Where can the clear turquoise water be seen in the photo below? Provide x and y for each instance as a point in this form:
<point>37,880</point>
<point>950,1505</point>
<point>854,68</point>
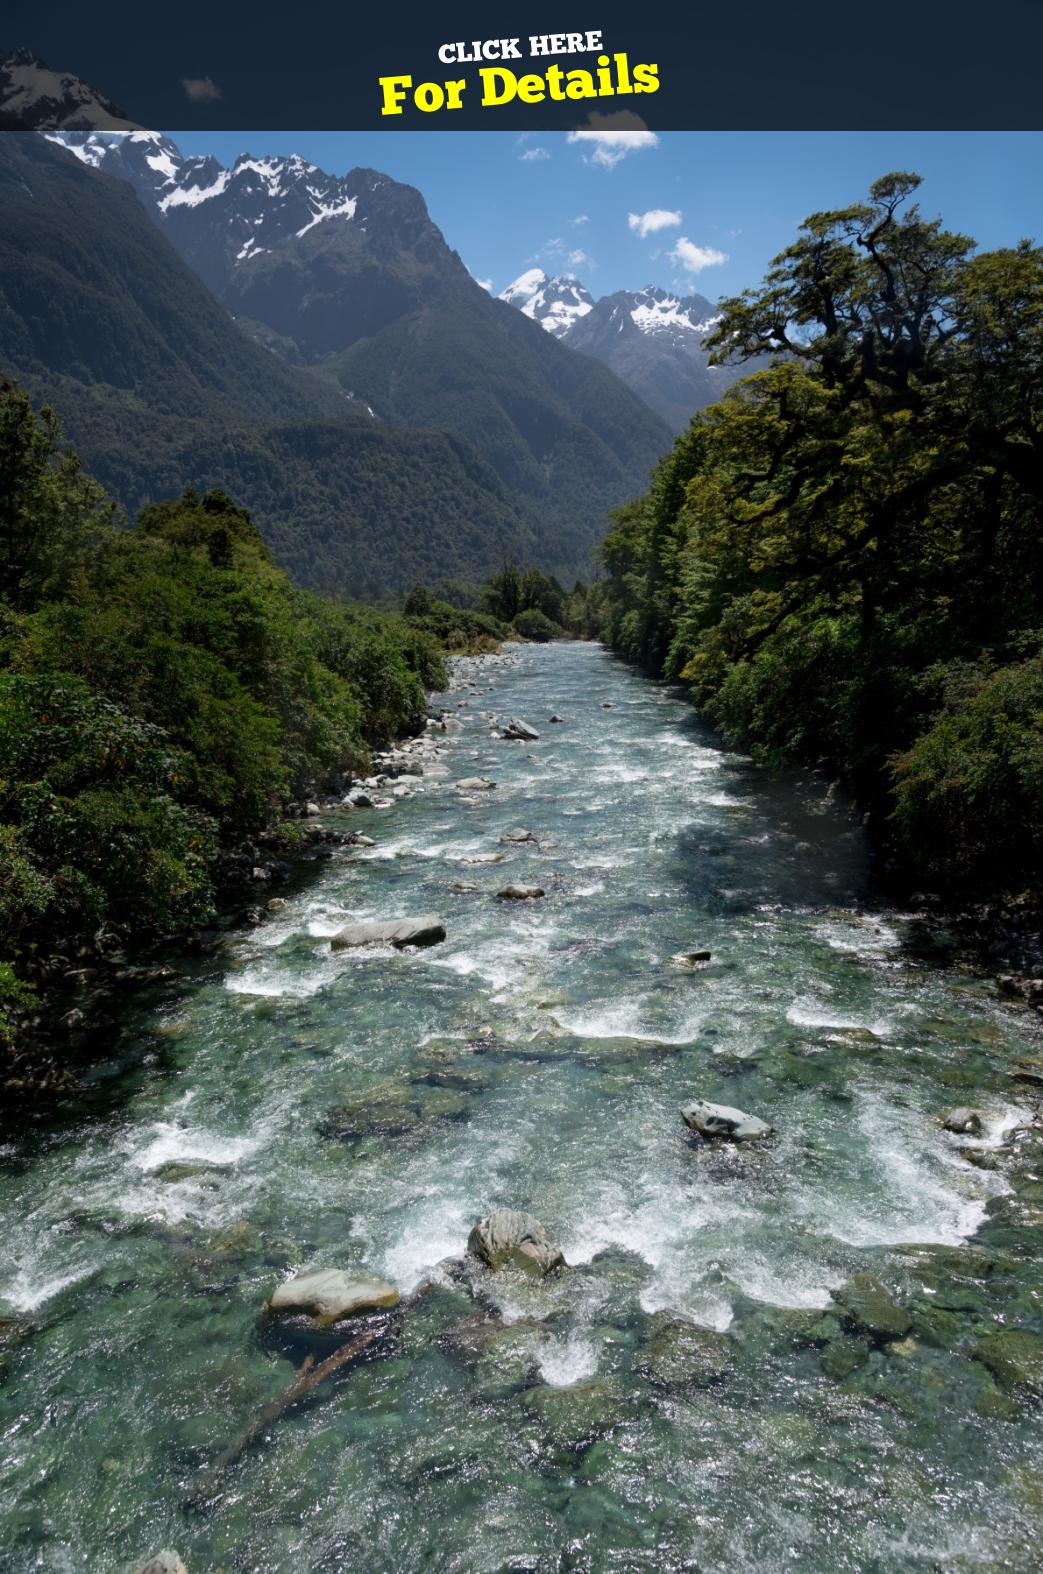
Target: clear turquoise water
<point>547,1048</point>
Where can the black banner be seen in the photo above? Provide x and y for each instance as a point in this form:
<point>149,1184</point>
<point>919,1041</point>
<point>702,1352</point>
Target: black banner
<point>758,65</point>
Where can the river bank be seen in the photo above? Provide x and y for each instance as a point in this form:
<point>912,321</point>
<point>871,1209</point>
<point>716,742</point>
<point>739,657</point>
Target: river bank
<point>787,1353</point>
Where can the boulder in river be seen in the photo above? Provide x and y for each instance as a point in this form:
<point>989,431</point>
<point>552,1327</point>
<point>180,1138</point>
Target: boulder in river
<point>556,717</point>
<point>721,1120</point>
<point>399,932</point>
<point>167,1562</point>
<point>965,1122</point>
<point>518,835</point>
<point>680,1352</point>
<point>868,1306</point>
<point>1027,1068</point>
<point>508,1236</point>
<point>332,1294</point>
<point>521,893</point>
<point>475,784</point>
<point>520,730</point>
<point>1014,1356</point>
<point>690,958</point>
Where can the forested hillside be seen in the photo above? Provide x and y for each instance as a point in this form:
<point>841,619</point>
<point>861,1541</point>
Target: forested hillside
<point>842,557</point>
<point>350,276</point>
<point>162,689</point>
<point>159,389</point>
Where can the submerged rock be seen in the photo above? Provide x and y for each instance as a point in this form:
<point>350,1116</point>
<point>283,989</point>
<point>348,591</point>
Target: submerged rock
<point>391,1109</point>
<point>965,1122</point>
<point>428,930</point>
<point>690,958</point>
<point>1027,1068</point>
<point>475,784</point>
<point>509,1236</point>
<point>580,1412</point>
<point>521,893</point>
<point>332,1294</point>
<point>520,730</point>
<point>868,1306</point>
<point>1014,1356</point>
<point>167,1562</point>
<point>721,1120</point>
<point>679,1352</point>
<point>842,1357</point>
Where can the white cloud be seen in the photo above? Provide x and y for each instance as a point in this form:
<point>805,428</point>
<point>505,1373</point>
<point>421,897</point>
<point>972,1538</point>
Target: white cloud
<point>654,219</point>
<point>695,258</point>
<point>609,147</point>
<point>582,218</point>
<point>487,284</point>
<point>577,257</point>
<point>532,154</point>
<point>201,90</point>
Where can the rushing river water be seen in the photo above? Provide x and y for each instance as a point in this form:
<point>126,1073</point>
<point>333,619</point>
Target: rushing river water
<point>686,1396</point>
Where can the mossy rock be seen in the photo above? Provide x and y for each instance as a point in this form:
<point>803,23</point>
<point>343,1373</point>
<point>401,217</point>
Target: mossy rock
<point>577,1415</point>
<point>1014,1356</point>
<point>936,1326</point>
<point>679,1353</point>
<point>868,1306</point>
<point>994,1405</point>
<point>840,1359</point>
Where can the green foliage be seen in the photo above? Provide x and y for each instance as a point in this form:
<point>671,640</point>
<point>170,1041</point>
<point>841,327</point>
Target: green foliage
<point>535,625</point>
<point>970,790</point>
<point>15,996</point>
<point>162,688</point>
<point>865,510</point>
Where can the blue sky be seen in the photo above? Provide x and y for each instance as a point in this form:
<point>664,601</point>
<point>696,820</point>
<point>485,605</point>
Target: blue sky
<point>508,203</point>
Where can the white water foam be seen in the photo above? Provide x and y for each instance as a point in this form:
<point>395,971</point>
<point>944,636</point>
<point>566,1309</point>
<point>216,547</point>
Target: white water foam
<point>568,1361</point>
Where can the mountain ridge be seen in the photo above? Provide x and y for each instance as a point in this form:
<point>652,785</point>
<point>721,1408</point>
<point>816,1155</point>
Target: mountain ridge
<point>349,275</point>
<point>652,338</point>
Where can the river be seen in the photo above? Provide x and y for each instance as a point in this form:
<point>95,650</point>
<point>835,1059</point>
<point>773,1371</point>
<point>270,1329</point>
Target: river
<point>686,1396</point>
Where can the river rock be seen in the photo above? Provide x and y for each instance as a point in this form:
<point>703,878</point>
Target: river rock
<point>1027,1068</point>
<point>1014,1356</point>
<point>167,1562</point>
<point>360,800</point>
<point>391,1109</point>
<point>399,932</point>
<point>690,958</point>
<point>518,835</point>
<point>868,1306</point>
<point>680,1352</point>
<point>330,1295</point>
<point>508,1236</point>
<point>721,1120</point>
<point>965,1122</point>
<point>475,784</point>
<point>521,893</point>
<point>557,718</point>
<point>520,730</point>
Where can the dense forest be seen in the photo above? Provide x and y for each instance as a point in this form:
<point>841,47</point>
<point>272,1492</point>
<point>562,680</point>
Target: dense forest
<point>842,557</point>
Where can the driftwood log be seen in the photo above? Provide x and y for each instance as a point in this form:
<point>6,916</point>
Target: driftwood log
<point>307,1378</point>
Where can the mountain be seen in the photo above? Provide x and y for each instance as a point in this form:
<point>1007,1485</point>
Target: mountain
<point>33,96</point>
<point>159,389</point>
<point>651,339</point>
<point>555,304</point>
<point>348,275</point>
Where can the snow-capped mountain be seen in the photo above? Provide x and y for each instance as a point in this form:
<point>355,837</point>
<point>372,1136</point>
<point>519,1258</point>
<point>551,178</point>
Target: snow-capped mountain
<point>33,97</point>
<point>349,274</point>
<point>651,338</point>
<point>554,303</point>
<point>218,217</point>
